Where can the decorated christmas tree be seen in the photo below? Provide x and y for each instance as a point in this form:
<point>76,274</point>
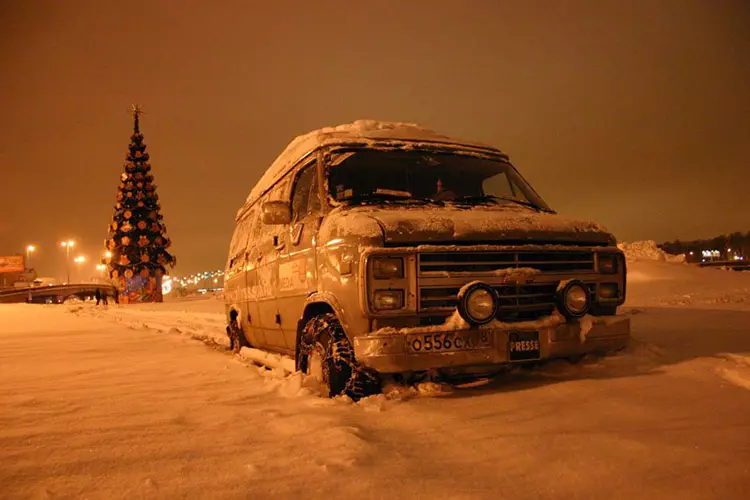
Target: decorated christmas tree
<point>137,245</point>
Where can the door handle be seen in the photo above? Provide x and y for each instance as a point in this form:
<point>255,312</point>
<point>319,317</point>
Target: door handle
<point>296,232</point>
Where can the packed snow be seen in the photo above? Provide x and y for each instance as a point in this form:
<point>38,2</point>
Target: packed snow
<point>145,401</point>
<point>648,250</point>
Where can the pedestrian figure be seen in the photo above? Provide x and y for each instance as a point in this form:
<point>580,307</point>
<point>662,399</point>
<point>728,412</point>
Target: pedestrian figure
<point>98,296</point>
<point>104,298</point>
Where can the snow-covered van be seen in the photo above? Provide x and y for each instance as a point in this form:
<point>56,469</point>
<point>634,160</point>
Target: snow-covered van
<point>373,249</point>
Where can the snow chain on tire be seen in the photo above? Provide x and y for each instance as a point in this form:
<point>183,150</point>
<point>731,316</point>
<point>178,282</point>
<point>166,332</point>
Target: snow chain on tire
<point>339,353</point>
<point>236,338</point>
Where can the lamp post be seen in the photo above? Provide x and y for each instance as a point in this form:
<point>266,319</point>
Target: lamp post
<point>29,249</point>
<point>68,245</point>
<point>101,268</point>
<point>79,260</point>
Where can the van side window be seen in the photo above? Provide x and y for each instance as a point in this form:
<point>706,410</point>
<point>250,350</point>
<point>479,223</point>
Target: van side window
<point>305,195</point>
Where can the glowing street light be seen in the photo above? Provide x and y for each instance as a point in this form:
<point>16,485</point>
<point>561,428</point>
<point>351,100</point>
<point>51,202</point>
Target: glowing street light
<point>68,245</point>
<point>101,268</point>
<point>107,254</point>
<point>29,249</point>
<point>79,260</point>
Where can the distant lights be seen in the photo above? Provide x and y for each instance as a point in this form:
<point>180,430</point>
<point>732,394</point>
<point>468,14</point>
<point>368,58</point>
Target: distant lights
<point>210,278</point>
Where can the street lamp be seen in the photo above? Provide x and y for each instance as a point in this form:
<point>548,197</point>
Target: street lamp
<point>29,249</point>
<point>79,260</point>
<point>68,245</point>
<point>101,268</point>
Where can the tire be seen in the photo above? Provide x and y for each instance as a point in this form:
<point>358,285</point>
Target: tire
<point>323,342</point>
<point>236,338</point>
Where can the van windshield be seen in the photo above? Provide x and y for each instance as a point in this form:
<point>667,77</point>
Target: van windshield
<point>371,175</point>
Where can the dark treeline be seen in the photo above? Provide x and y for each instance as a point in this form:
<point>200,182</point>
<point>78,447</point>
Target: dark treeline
<point>728,245</point>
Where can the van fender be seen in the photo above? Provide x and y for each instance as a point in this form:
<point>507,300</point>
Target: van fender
<point>328,299</point>
<point>316,300</point>
<point>229,308</point>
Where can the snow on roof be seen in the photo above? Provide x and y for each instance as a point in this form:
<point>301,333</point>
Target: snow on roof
<point>371,130</point>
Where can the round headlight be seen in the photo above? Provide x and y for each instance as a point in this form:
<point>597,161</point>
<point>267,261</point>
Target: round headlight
<point>573,299</point>
<point>478,304</point>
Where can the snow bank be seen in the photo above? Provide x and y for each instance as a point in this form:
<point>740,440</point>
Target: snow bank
<point>648,250</point>
<point>653,283</point>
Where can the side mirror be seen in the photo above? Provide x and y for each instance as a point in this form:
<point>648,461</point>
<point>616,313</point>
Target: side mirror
<point>276,212</point>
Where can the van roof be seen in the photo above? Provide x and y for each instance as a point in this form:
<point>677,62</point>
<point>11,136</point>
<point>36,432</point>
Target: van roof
<point>358,131</point>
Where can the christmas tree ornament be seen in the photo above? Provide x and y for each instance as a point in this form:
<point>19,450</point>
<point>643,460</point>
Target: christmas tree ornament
<point>125,241</point>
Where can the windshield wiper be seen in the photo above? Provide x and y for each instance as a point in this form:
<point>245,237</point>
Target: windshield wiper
<point>491,198</point>
<point>487,198</point>
<point>387,198</point>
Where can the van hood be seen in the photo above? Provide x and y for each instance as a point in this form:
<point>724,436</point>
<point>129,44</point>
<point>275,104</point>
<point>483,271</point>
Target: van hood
<point>512,224</point>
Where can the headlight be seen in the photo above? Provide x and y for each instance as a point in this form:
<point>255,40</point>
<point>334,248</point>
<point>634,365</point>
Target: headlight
<point>607,263</point>
<point>477,303</point>
<point>387,268</point>
<point>386,300</point>
<point>609,291</point>
<point>573,299</point>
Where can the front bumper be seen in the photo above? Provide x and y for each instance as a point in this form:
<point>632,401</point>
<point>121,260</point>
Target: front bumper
<point>387,353</point>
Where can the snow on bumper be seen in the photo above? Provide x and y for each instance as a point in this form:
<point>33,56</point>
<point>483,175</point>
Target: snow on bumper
<point>392,353</point>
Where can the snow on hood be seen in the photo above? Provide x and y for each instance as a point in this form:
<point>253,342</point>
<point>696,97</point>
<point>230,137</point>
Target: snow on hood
<point>409,225</point>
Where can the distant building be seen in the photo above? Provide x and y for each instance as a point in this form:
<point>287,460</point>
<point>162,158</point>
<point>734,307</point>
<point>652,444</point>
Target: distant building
<point>13,270</point>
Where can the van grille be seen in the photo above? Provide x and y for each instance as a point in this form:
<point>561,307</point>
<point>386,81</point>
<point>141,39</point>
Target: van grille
<point>488,262</point>
<point>517,302</point>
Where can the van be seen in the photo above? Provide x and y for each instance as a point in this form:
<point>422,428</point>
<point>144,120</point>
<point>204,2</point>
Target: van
<point>377,249</point>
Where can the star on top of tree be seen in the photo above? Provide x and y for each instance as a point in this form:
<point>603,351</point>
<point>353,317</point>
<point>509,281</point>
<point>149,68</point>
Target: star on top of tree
<point>137,110</point>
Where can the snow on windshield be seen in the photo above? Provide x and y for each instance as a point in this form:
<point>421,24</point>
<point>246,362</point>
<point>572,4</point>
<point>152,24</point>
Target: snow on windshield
<point>426,175</point>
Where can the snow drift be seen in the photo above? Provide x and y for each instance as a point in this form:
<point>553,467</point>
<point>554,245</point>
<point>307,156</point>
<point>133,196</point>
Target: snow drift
<point>648,250</point>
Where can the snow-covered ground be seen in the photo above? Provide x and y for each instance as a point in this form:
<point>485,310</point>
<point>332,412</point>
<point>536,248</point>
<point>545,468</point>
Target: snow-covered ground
<point>144,401</point>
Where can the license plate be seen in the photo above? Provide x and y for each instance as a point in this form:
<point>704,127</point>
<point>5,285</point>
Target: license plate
<point>523,346</point>
<point>448,341</point>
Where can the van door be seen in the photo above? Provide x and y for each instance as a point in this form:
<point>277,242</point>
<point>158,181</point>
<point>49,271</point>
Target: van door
<point>251,320</point>
<point>270,245</point>
<point>235,278</point>
<point>297,265</point>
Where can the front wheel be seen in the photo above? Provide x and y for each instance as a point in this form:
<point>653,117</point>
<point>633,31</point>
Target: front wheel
<point>326,354</point>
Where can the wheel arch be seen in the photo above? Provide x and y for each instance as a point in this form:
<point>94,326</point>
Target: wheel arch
<point>316,305</point>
